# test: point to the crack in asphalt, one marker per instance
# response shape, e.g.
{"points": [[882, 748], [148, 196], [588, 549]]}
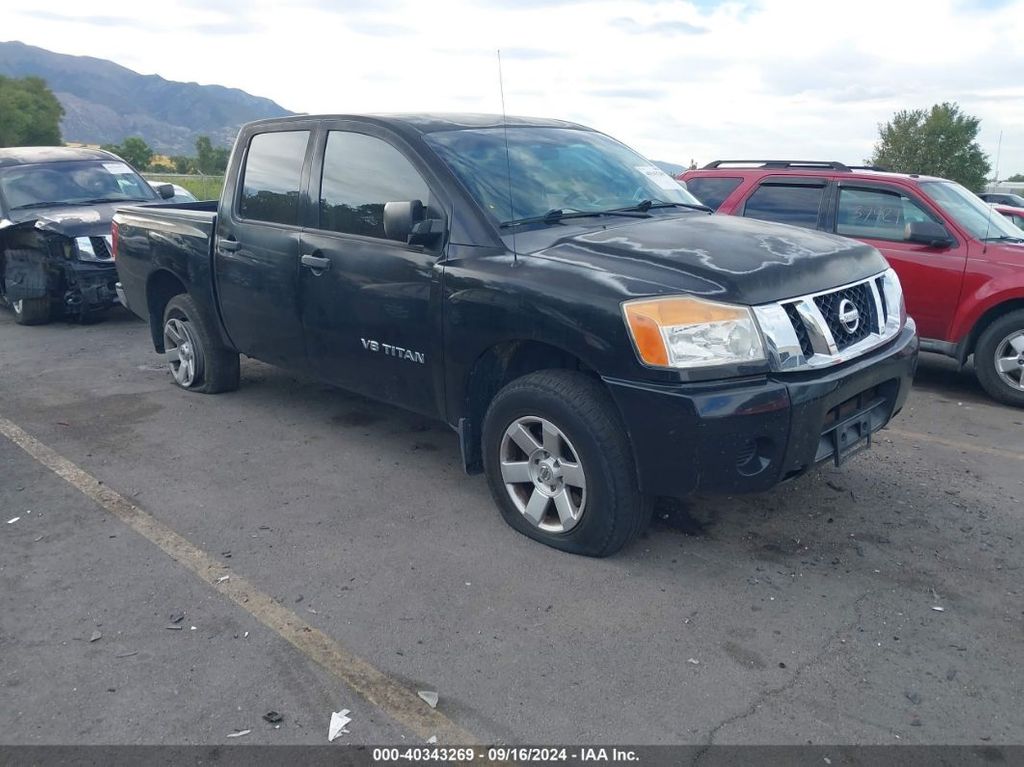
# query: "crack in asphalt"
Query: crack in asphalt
{"points": [[766, 695]]}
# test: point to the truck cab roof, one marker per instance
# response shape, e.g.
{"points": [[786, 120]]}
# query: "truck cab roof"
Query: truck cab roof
{"points": [[431, 122]]}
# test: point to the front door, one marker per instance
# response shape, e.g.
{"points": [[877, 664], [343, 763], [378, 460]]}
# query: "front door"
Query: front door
{"points": [[370, 305], [931, 276]]}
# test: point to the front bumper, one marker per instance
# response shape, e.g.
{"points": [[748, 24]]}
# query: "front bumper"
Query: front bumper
{"points": [[748, 436], [89, 286]]}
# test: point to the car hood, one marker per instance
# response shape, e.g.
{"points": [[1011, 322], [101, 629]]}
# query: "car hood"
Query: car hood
{"points": [[69, 220], [723, 257]]}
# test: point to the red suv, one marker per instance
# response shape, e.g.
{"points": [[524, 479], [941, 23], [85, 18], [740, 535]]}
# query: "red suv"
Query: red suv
{"points": [[961, 263]]}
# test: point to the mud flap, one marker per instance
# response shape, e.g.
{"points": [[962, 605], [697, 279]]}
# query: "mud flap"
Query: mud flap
{"points": [[24, 275]]}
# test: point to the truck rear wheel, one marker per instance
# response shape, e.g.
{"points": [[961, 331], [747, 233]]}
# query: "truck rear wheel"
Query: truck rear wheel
{"points": [[560, 466], [197, 359], [31, 311], [999, 359]]}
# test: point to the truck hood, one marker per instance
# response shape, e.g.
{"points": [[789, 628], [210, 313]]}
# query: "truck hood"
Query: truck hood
{"points": [[68, 220], [723, 257]]}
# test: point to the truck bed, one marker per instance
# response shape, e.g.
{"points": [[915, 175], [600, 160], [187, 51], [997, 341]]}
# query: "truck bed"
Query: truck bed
{"points": [[163, 244]]}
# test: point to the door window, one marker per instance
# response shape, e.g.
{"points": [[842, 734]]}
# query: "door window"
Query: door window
{"points": [[795, 204], [712, 191], [360, 174], [273, 170], [875, 214]]}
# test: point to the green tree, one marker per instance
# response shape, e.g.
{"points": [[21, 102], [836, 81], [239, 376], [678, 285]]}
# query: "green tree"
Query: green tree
{"points": [[1016, 177], [134, 150], [29, 113], [183, 164], [209, 159], [941, 141]]}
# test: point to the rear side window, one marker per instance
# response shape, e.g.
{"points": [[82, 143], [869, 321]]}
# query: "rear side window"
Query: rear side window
{"points": [[712, 191], [786, 204], [270, 180], [876, 214], [360, 174]]}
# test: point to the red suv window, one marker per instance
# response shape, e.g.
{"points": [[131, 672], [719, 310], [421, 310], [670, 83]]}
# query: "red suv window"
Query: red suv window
{"points": [[795, 204], [712, 191]]}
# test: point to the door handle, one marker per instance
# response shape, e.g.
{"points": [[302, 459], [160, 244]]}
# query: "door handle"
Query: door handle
{"points": [[228, 246], [316, 263]]}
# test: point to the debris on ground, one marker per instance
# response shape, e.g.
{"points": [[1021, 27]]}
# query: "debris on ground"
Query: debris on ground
{"points": [[238, 733], [223, 578], [429, 697], [127, 654], [273, 717], [12, 521], [338, 721], [938, 609], [174, 627], [913, 696], [177, 617], [694, 661], [432, 739], [95, 635]]}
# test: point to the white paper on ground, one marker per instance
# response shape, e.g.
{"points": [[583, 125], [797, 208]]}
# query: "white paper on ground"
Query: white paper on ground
{"points": [[429, 697], [338, 721]]}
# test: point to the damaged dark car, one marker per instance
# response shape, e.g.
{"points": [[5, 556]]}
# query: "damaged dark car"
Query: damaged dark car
{"points": [[56, 205]]}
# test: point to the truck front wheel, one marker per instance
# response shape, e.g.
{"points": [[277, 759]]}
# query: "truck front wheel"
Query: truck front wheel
{"points": [[197, 360], [560, 466], [999, 359], [31, 311]]}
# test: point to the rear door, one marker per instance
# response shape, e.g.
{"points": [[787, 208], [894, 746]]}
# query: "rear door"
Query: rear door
{"points": [[795, 200], [877, 213], [256, 262], [370, 305]]}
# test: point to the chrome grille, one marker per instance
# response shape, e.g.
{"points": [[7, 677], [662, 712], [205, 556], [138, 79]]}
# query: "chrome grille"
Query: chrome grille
{"points": [[831, 306], [834, 326]]}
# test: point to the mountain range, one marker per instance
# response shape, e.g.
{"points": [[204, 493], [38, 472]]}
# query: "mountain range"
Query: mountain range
{"points": [[104, 102]]}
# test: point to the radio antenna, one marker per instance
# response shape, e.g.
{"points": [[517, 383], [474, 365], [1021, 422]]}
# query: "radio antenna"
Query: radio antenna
{"points": [[508, 161], [995, 180]]}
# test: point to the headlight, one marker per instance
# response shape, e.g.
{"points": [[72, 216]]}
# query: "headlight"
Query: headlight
{"points": [[688, 332], [95, 249], [895, 306]]}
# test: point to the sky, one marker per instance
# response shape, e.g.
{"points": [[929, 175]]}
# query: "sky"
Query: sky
{"points": [[677, 80]]}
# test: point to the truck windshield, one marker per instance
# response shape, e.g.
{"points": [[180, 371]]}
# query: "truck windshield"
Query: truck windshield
{"points": [[970, 211], [72, 183], [553, 170]]}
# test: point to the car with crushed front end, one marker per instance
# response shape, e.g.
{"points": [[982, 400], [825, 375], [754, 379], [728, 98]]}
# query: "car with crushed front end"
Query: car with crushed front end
{"points": [[595, 337], [56, 205]]}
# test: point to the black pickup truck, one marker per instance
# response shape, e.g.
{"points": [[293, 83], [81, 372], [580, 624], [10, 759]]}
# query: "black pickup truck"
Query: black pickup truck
{"points": [[595, 337]]}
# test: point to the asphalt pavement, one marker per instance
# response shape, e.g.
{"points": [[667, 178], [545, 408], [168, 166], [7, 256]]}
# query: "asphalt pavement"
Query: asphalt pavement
{"points": [[804, 614]]}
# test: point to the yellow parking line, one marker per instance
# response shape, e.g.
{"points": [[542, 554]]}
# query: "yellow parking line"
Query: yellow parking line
{"points": [[957, 445], [394, 699]]}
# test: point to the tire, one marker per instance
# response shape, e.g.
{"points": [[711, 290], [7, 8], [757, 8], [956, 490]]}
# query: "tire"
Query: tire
{"points": [[198, 361], [999, 359], [578, 449], [31, 311]]}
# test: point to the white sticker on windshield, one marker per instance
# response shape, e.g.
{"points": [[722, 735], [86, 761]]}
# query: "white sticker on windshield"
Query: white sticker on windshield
{"points": [[117, 167], [659, 177]]}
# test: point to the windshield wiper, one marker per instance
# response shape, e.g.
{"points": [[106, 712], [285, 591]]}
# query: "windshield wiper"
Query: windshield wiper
{"points": [[647, 205], [1002, 238], [556, 215]]}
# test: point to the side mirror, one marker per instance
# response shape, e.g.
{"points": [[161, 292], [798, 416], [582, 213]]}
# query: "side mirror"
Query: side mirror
{"points": [[405, 222], [399, 218], [166, 191], [927, 233]]}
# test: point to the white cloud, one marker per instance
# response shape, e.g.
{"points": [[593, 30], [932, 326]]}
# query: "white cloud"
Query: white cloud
{"points": [[677, 80]]}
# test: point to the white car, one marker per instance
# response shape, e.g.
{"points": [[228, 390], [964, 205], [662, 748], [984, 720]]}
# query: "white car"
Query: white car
{"points": [[181, 194]]}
